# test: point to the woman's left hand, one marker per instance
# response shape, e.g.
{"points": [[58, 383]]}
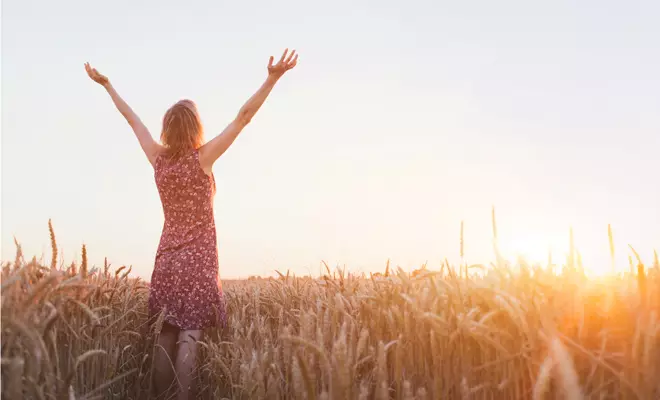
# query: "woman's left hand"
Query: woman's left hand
{"points": [[96, 76]]}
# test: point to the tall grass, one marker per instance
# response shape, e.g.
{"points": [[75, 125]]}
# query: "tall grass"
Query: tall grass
{"points": [[510, 332]]}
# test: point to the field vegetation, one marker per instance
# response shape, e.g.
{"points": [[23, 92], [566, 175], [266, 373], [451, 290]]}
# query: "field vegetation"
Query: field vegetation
{"points": [[498, 331]]}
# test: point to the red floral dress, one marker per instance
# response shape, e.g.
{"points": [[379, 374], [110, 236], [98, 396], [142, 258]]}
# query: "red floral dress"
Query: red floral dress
{"points": [[185, 283]]}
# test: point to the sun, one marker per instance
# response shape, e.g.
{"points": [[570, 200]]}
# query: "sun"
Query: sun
{"points": [[546, 250]]}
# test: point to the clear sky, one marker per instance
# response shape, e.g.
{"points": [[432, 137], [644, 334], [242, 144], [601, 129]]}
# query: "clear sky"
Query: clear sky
{"points": [[400, 120]]}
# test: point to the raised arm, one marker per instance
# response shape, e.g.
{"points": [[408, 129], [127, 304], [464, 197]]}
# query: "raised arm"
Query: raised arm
{"points": [[213, 149], [150, 147]]}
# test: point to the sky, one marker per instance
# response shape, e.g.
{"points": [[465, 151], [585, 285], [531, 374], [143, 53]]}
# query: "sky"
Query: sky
{"points": [[401, 120]]}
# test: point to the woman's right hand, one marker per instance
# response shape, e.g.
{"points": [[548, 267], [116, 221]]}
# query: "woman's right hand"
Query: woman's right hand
{"points": [[96, 76], [285, 64]]}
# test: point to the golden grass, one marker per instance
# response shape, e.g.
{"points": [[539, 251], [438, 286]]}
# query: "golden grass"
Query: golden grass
{"points": [[512, 332]]}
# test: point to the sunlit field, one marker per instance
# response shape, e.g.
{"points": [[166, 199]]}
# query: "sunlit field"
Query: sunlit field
{"points": [[508, 330]]}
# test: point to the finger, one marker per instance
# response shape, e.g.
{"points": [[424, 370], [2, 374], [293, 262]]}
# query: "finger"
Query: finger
{"points": [[288, 59], [283, 55], [270, 62], [293, 62]]}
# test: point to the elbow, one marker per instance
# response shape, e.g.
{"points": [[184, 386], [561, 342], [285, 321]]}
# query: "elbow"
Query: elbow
{"points": [[131, 119], [244, 117]]}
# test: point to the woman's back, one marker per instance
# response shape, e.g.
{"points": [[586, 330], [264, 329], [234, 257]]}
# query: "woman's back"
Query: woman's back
{"points": [[186, 193]]}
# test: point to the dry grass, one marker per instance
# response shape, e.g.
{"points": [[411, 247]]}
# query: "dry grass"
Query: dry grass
{"points": [[514, 332]]}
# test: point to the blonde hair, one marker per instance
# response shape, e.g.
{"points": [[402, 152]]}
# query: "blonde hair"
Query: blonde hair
{"points": [[182, 129]]}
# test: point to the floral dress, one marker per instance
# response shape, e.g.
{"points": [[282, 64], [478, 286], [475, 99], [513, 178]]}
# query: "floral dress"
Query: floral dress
{"points": [[185, 282]]}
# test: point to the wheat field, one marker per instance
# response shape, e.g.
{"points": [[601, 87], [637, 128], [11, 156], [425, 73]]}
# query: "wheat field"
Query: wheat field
{"points": [[467, 332]]}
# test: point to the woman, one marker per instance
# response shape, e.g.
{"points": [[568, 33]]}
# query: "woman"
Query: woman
{"points": [[184, 284]]}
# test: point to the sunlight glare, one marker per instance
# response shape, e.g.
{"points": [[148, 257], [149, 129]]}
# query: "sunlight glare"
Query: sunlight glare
{"points": [[534, 250]]}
